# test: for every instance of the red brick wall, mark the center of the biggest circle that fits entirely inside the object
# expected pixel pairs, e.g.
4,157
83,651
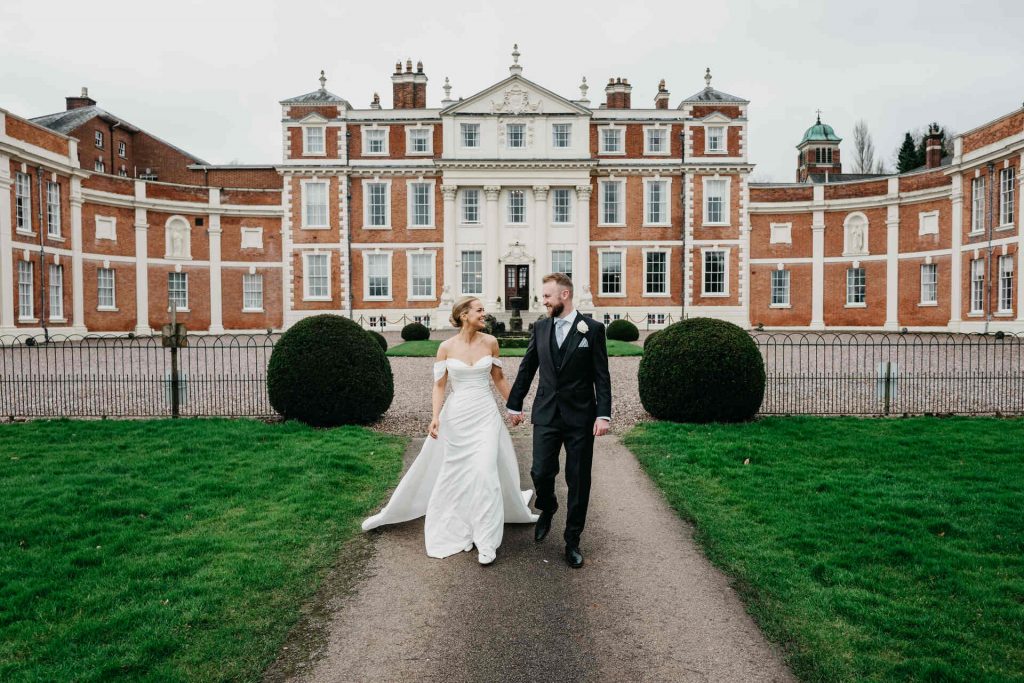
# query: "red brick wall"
157,240
198,316
836,313
800,232
253,197
296,148
113,184
231,239
399,232
911,312
124,318
701,110
864,189
924,181
781,194
732,231
124,230
732,142
733,299
761,312
179,193
256,178
634,228
986,135
835,234
20,129
299,112
330,235
335,268
399,282
910,227
231,300
634,280
170,165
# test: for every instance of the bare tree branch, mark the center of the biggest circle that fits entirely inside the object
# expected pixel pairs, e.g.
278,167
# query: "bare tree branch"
863,149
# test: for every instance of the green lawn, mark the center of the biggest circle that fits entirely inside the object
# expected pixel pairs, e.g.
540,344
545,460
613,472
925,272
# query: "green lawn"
171,550
428,347
871,550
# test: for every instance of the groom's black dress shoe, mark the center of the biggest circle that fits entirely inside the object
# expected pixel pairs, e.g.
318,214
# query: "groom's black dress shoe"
543,526
573,557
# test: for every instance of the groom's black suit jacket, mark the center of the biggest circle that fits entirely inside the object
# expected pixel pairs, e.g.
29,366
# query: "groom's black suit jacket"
573,379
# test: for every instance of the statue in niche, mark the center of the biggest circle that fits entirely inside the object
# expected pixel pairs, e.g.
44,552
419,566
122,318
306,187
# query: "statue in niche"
177,239
855,237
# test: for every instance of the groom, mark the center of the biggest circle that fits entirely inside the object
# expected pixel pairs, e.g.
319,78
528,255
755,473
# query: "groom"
572,406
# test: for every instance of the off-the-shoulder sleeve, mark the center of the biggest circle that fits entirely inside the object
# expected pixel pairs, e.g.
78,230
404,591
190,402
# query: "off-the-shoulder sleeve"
440,367
497,361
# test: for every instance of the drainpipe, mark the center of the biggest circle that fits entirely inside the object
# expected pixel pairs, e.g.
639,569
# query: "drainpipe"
682,232
348,225
42,255
990,217
113,168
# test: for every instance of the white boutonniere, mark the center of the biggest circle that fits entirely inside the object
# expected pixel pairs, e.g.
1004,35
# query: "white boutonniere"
582,327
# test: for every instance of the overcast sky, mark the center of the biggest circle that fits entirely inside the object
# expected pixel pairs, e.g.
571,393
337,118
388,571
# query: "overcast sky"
207,76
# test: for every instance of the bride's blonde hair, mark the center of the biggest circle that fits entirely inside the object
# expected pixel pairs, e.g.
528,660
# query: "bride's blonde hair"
462,304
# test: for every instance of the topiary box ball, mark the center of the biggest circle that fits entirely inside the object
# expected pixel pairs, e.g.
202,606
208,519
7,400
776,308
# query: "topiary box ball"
623,330
327,371
415,332
379,338
701,370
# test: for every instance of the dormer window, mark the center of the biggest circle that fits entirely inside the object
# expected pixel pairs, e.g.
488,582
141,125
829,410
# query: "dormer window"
313,140
823,155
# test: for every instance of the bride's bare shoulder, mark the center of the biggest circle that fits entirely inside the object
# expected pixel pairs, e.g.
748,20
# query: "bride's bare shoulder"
442,349
492,343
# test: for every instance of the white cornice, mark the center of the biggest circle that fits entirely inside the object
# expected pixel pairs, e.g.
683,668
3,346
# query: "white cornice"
173,206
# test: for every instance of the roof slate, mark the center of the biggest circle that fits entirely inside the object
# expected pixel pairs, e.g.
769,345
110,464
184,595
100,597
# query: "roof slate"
709,94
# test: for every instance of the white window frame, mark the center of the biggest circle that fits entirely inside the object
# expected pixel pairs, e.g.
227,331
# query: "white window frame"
306,276
26,291
475,192
23,203
465,128
56,286
556,263
723,146
106,228
122,149
307,148
304,185
100,306
929,284
823,155
780,233
786,288
726,207
98,138
508,207
620,202
1007,196
410,199
367,256
427,133
667,273
619,131
520,129
53,209
1005,293
385,134
462,271
249,235
410,258
928,222
666,140
556,129
704,252
99,166
666,204
977,293
561,192
248,291
977,205
601,255
184,280
852,285
366,183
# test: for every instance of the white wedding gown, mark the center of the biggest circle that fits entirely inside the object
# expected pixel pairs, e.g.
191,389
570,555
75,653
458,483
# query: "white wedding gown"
466,481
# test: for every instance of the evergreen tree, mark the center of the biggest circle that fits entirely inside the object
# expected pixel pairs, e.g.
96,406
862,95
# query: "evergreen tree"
907,159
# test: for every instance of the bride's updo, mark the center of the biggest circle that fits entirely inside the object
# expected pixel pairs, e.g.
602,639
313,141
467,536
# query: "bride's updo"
462,304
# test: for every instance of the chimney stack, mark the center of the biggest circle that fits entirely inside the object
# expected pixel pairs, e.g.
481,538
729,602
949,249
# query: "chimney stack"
409,87
933,147
78,102
661,99
617,93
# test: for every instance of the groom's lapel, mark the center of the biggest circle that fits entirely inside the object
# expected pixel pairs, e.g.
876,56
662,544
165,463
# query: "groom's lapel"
545,340
573,340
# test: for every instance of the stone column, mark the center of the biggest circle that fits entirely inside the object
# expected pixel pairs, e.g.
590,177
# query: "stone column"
1020,243
7,293
581,267
216,291
77,267
142,327
448,289
892,266
818,271
540,243
492,279
955,261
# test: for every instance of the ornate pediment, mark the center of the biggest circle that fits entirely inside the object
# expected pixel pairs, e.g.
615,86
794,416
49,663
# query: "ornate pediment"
516,100
516,96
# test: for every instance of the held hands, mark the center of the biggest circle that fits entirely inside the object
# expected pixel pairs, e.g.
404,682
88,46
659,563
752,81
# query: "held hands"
432,430
516,419
600,427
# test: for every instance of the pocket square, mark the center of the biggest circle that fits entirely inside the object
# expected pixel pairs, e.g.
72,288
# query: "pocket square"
584,345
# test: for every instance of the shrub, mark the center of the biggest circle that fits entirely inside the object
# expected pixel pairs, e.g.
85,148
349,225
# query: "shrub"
379,338
623,330
513,342
701,370
489,323
650,337
326,371
415,332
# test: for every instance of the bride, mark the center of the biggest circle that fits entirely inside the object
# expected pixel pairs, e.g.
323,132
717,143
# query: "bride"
466,477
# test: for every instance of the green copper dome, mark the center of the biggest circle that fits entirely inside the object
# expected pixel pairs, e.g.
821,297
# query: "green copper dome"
820,132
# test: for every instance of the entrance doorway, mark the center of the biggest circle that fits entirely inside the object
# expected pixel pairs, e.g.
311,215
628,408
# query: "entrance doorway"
517,287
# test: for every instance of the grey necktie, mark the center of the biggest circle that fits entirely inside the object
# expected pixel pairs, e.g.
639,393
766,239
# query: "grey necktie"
560,328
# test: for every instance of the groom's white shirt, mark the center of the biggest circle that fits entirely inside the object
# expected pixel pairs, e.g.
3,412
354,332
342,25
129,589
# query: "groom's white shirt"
571,318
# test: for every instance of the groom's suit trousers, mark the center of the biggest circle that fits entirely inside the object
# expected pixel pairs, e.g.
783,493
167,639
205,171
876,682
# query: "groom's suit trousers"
579,455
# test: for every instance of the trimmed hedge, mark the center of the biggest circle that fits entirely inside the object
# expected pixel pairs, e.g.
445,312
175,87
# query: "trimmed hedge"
327,371
701,370
415,332
650,337
622,330
379,338
513,342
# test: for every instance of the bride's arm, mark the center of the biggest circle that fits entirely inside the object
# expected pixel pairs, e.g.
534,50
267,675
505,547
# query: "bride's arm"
437,394
497,375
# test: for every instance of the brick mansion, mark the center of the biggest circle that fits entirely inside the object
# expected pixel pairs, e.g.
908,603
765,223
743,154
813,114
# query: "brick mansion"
387,215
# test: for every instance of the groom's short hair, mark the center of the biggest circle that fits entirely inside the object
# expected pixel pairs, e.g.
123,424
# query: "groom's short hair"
561,278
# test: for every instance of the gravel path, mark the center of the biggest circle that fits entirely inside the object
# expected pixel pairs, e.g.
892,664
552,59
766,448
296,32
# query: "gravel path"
646,606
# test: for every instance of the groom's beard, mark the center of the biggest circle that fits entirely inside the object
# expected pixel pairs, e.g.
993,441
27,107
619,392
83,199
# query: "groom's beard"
555,310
